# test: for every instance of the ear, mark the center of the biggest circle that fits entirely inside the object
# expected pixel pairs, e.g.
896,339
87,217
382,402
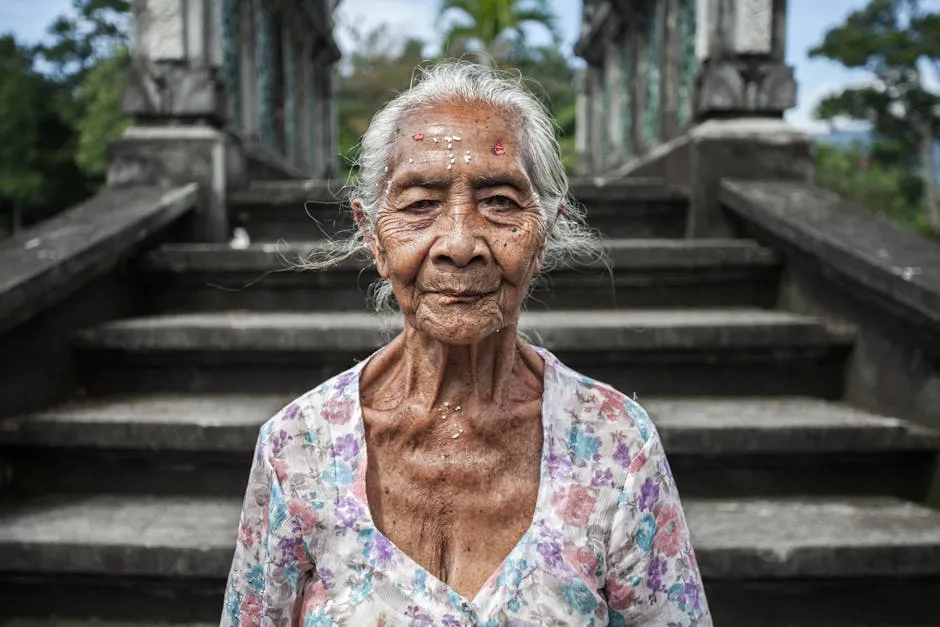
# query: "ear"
369,238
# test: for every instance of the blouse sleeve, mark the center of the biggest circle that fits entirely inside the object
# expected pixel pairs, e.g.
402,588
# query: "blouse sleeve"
271,563
653,578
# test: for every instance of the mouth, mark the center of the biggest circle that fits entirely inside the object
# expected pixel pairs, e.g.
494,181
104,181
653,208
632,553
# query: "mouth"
462,297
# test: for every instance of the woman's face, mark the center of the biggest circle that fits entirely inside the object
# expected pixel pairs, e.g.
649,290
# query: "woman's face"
458,230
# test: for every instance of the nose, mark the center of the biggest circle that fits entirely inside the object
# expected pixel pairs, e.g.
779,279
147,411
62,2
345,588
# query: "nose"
459,243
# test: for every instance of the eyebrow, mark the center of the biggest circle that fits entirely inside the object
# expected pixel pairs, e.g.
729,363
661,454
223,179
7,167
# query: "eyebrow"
478,182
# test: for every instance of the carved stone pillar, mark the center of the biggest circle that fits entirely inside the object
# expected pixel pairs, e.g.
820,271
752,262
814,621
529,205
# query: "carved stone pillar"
176,62
741,45
176,95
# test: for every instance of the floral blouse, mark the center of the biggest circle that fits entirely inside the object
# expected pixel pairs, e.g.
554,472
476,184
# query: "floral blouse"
608,544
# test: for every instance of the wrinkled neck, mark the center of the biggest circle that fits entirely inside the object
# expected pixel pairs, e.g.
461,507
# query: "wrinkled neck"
434,373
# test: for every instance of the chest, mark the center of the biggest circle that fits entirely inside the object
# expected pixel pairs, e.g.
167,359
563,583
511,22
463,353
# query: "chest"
458,506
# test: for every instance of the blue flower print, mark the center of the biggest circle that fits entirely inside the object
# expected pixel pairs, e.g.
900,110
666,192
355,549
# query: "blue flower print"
582,445
646,532
579,596
318,618
255,578
338,474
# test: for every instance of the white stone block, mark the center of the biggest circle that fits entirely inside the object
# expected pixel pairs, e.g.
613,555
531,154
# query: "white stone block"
753,26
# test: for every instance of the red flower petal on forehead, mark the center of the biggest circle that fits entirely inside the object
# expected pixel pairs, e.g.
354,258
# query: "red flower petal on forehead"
498,149
419,137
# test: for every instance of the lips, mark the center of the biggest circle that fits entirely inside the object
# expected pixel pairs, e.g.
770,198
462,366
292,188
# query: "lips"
464,296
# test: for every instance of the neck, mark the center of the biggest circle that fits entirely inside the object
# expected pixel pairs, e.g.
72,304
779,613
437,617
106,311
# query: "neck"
470,374
423,373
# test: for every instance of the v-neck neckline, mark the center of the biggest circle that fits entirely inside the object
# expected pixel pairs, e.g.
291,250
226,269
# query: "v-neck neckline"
359,426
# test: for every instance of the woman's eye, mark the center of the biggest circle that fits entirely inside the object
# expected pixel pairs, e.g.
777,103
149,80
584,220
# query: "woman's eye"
500,202
422,205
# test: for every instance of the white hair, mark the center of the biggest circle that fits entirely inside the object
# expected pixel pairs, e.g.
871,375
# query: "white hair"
562,219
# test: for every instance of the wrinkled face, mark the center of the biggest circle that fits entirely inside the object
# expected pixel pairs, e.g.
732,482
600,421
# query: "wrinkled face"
458,231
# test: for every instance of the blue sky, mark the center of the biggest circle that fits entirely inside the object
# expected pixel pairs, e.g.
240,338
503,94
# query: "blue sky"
808,21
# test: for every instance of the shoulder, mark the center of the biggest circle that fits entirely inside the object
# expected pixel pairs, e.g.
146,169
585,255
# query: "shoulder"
301,421
588,409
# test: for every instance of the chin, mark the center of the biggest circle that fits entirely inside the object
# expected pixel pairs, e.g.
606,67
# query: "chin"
459,330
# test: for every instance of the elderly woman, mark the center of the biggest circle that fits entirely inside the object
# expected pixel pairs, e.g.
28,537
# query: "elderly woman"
459,475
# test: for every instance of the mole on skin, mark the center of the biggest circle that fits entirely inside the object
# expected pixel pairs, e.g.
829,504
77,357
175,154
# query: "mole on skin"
460,243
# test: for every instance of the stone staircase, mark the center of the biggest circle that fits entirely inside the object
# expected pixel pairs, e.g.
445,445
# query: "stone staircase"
803,510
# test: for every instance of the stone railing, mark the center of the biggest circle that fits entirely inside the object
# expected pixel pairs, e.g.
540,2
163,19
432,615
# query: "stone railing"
655,68
68,272
848,265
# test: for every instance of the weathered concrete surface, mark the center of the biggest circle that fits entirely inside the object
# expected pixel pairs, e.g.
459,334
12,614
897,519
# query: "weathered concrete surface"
622,253
155,423
230,423
647,274
587,330
165,537
866,248
848,265
179,155
760,538
734,539
44,264
780,425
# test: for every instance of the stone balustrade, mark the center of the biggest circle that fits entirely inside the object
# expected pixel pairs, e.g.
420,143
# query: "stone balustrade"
655,68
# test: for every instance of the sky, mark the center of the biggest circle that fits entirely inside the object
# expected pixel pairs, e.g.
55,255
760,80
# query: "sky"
808,21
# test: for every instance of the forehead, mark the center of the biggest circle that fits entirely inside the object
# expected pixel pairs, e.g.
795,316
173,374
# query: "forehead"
470,121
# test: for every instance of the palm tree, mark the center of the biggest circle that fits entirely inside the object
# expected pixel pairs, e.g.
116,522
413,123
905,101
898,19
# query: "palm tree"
494,25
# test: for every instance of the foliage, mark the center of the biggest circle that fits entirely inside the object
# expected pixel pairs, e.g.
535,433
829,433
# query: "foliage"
884,188
380,67
897,42
101,121
378,70
38,175
55,123
494,27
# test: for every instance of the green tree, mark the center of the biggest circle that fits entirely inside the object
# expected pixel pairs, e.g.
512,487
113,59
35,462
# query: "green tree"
38,175
101,120
494,27
92,31
897,42
879,187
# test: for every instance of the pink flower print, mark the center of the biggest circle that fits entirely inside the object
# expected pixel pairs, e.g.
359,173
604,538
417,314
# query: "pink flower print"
611,406
670,532
304,513
314,596
280,469
584,561
638,462
245,536
620,594
251,611
358,486
574,504
337,410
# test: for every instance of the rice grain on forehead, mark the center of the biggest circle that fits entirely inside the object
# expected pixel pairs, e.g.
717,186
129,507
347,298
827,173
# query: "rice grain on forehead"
568,237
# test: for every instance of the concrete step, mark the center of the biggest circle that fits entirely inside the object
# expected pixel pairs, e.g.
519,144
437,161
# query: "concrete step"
194,444
649,352
867,560
642,274
305,210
